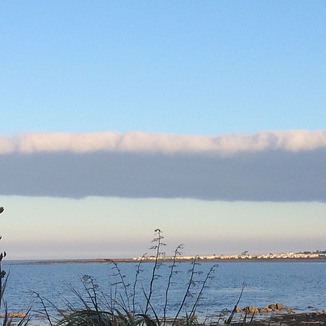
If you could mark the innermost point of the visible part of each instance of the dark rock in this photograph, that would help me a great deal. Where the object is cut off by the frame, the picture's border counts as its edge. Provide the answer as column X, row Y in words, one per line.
column 264, row 310
column 251, row 310
column 237, row 309
column 279, row 306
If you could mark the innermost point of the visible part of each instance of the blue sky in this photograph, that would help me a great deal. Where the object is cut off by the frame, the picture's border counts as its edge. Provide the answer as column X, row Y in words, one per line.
column 132, row 115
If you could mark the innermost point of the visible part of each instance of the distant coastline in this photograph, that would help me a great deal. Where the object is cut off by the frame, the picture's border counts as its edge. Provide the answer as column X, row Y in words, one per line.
column 319, row 256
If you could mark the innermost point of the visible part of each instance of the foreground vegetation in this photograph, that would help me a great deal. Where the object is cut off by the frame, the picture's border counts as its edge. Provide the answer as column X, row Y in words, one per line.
column 125, row 304
column 8, row 319
column 134, row 304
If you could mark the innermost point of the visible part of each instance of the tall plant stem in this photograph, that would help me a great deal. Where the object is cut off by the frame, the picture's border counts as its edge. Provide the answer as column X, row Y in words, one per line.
column 208, row 276
column 190, row 283
column 158, row 253
column 172, row 270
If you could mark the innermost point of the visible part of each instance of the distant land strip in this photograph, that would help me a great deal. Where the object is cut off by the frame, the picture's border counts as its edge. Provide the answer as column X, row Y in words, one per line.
column 318, row 256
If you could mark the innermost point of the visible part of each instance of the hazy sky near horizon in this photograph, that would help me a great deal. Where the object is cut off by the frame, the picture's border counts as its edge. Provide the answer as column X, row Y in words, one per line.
column 204, row 119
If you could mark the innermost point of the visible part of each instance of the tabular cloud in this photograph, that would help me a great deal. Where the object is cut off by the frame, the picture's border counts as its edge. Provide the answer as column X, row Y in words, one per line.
column 273, row 166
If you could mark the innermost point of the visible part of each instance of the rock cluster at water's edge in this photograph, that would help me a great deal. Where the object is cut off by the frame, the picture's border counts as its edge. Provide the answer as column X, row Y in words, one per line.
column 255, row 310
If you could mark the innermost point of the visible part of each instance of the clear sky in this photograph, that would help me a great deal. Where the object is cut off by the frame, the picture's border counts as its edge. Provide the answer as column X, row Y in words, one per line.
column 204, row 119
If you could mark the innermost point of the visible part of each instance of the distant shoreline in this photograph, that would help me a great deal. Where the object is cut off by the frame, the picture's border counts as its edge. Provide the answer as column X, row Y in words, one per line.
column 133, row 260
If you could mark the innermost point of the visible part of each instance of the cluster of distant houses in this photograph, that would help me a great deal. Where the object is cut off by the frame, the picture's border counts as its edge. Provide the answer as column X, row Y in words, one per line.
column 244, row 256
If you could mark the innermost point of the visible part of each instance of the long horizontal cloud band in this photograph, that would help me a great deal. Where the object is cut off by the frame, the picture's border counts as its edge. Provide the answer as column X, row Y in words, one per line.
column 281, row 174
column 292, row 140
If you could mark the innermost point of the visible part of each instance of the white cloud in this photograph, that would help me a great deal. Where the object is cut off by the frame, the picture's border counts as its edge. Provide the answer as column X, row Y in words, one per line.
column 136, row 141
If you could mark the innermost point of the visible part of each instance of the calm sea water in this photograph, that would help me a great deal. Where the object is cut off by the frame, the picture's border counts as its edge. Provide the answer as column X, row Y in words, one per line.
column 299, row 285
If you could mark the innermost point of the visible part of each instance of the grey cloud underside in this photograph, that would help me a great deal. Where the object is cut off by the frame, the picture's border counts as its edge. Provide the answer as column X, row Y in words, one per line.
column 259, row 176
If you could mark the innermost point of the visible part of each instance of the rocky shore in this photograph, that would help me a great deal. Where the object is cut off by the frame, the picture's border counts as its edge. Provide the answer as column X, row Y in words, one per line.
column 301, row 319
column 274, row 314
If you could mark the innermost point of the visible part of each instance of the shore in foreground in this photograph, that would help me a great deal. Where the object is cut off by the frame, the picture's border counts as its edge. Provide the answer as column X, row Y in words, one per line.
column 311, row 318
column 307, row 318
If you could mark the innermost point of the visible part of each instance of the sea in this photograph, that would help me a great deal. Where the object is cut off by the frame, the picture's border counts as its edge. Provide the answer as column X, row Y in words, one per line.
column 211, row 289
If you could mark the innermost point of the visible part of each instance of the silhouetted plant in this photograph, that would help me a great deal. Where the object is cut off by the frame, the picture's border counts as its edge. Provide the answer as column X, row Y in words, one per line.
column 158, row 254
column 229, row 320
column 116, row 307
column 124, row 300
column 208, row 277
column 137, row 272
column 2, row 272
column 173, row 271
column 23, row 318
column 188, row 293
